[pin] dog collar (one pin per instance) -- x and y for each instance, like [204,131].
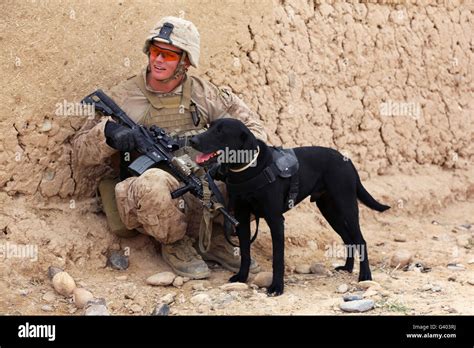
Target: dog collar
[247,165]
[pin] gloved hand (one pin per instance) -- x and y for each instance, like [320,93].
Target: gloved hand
[122,138]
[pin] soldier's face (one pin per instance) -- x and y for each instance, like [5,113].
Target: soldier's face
[163,60]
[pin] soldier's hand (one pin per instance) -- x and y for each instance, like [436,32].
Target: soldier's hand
[122,138]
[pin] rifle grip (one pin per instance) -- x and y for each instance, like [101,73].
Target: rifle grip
[181,191]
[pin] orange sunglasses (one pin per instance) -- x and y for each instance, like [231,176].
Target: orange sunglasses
[168,55]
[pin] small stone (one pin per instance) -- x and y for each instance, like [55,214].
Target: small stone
[96,309]
[47,308]
[303,269]
[96,301]
[234,287]
[341,289]
[199,287]
[52,271]
[456,267]
[263,279]
[46,126]
[118,260]
[122,277]
[23,292]
[357,306]
[384,293]
[470,262]
[168,298]
[400,258]
[436,288]
[350,297]
[178,282]
[81,296]
[318,269]
[200,299]
[426,287]
[186,279]
[470,281]
[452,278]
[50,296]
[163,279]
[63,283]
[400,238]
[161,310]
[136,308]
[366,284]
[369,293]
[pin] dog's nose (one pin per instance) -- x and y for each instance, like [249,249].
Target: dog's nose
[194,141]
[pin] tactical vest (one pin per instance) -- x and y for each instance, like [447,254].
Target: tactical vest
[177,115]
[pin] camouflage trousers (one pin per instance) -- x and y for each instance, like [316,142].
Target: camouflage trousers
[145,202]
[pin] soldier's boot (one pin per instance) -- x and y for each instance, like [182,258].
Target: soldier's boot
[223,253]
[184,259]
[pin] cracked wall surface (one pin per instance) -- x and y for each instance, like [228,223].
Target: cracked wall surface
[389,85]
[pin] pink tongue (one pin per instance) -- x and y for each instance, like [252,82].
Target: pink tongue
[203,157]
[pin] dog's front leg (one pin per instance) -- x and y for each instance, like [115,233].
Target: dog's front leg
[277,229]
[243,232]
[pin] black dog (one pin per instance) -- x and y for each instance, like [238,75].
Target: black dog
[259,186]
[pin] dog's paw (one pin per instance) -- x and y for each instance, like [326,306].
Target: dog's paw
[343,269]
[275,289]
[237,278]
[365,276]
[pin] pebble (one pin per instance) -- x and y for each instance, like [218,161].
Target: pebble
[118,260]
[369,293]
[50,296]
[96,301]
[452,278]
[318,269]
[63,283]
[470,281]
[168,298]
[342,288]
[357,306]
[426,287]
[436,288]
[201,299]
[471,261]
[47,308]
[163,279]
[122,277]
[161,310]
[23,292]
[52,271]
[81,296]
[234,287]
[400,258]
[303,269]
[96,309]
[351,297]
[136,308]
[199,287]
[400,238]
[178,282]
[366,284]
[263,279]
[456,267]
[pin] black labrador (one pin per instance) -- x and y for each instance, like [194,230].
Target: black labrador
[324,174]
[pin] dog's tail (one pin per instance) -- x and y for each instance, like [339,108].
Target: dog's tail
[366,198]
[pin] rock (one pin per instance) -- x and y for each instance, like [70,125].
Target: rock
[369,293]
[117,260]
[52,271]
[400,238]
[122,277]
[46,126]
[96,301]
[161,310]
[400,258]
[436,288]
[163,279]
[366,284]
[263,279]
[50,296]
[318,269]
[23,292]
[199,287]
[426,287]
[452,278]
[178,282]
[186,279]
[456,267]
[136,308]
[234,287]
[470,262]
[81,296]
[201,299]
[47,308]
[357,306]
[470,281]
[303,269]
[350,297]
[63,283]
[96,309]
[342,288]
[168,298]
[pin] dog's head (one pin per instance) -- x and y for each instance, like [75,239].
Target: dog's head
[223,135]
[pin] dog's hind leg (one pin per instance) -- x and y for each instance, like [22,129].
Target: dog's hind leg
[331,214]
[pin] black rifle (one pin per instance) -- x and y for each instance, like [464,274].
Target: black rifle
[156,150]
